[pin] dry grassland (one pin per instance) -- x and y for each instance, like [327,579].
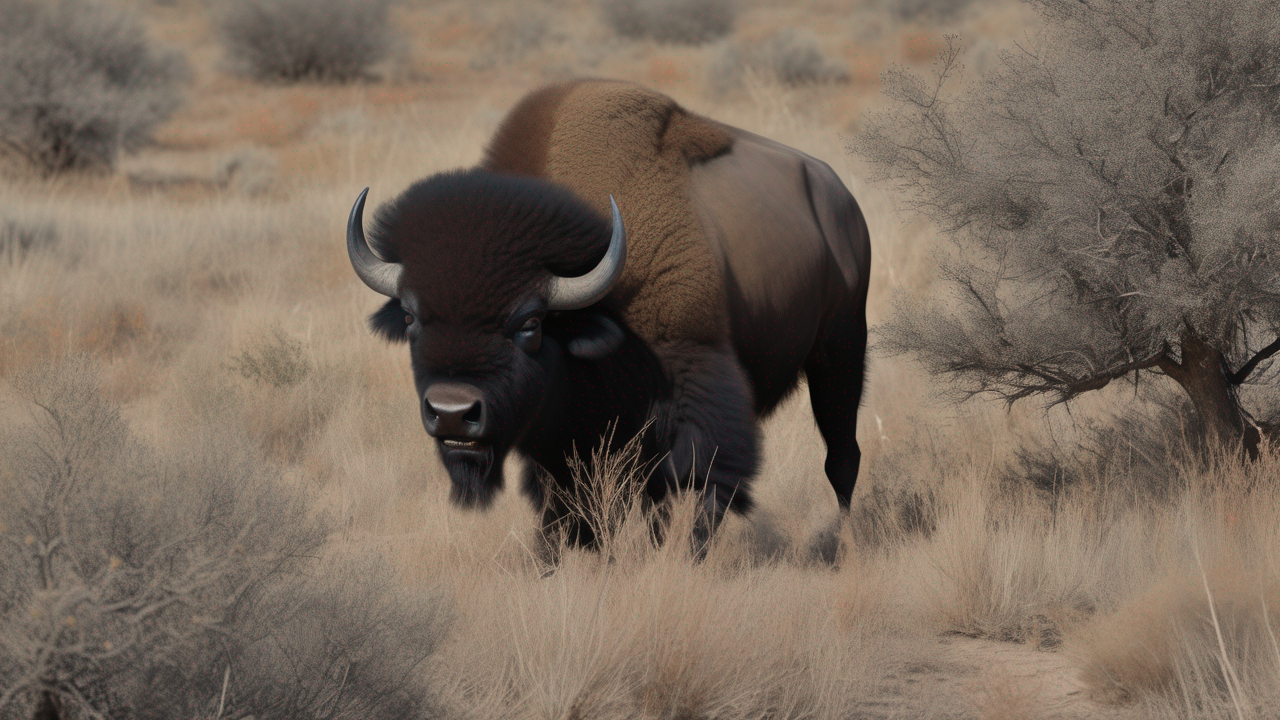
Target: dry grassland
[951,593]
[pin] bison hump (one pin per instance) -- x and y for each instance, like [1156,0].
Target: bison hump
[602,138]
[615,118]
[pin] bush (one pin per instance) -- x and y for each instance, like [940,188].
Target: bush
[686,22]
[933,10]
[513,37]
[80,82]
[790,57]
[20,239]
[124,571]
[292,40]
[273,359]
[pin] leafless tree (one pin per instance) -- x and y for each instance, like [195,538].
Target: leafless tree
[1112,191]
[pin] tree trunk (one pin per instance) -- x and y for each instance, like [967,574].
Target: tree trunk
[48,707]
[1204,375]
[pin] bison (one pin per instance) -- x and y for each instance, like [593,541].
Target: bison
[618,261]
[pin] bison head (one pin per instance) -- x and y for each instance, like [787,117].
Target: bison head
[491,279]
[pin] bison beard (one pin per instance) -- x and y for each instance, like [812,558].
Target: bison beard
[476,476]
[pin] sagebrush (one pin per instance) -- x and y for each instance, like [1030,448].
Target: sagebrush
[80,83]
[790,57]
[294,40]
[125,570]
[273,358]
[686,22]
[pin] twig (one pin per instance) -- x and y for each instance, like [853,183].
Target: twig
[337,696]
[222,699]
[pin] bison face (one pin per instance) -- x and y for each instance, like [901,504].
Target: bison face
[470,261]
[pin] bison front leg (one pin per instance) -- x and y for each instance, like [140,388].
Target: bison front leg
[710,431]
[560,527]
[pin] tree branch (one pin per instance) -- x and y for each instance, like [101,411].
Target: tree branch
[1239,376]
[1100,380]
[1034,380]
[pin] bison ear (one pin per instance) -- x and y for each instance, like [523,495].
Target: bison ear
[596,338]
[389,323]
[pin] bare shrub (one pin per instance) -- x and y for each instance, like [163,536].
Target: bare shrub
[898,507]
[19,239]
[293,40]
[80,82]
[790,57]
[887,515]
[513,37]
[274,359]
[343,642]
[930,10]
[124,571]
[685,22]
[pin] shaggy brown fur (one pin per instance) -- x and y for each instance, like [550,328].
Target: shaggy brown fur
[602,138]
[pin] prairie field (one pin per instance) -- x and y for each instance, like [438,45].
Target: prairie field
[996,563]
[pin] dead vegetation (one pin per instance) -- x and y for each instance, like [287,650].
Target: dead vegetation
[685,22]
[299,40]
[789,57]
[124,569]
[80,82]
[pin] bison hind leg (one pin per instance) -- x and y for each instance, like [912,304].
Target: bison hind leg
[835,373]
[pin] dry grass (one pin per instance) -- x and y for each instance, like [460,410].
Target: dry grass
[203,305]
[1198,638]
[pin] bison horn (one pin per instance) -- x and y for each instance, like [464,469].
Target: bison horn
[578,292]
[381,276]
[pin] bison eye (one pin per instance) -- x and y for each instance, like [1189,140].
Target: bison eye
[408,319]
[529,336]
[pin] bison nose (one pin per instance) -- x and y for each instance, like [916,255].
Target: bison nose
[454,410]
